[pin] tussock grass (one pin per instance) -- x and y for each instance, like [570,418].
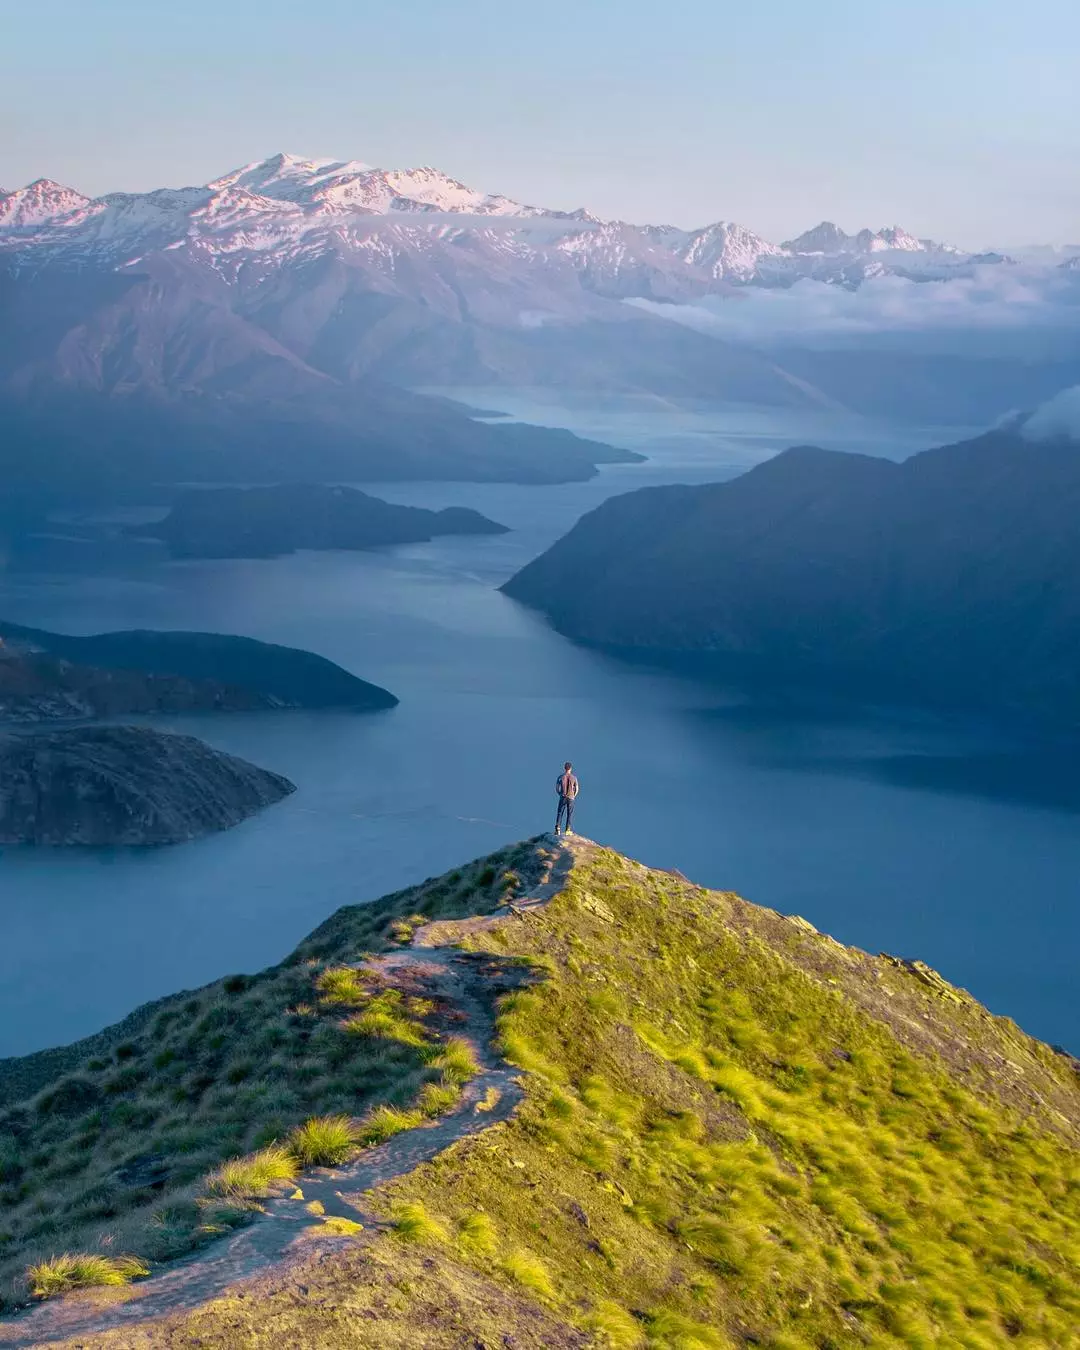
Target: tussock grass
[437,1098]
[82,1270]
[385,1019]
[384,1122]
[615,1328]
[457,1061]
[254,1176]
[530,1272]
[324,1141]
[718,1137]
[412,1223]
[97,1138]
[340,984]
[477,1233]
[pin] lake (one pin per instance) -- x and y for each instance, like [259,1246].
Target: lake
[895,832]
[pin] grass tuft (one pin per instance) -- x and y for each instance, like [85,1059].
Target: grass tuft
[82,1270]
[324,1141]
[437,1098]
[476,1233]
[340,984]
[615,1328]
[412,1223]
[457,1060]
[386,1121]
[530,1272]
[253,1176]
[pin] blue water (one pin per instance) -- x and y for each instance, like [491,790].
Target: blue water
[819,816]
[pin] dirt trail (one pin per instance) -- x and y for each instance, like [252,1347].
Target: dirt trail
[467,984]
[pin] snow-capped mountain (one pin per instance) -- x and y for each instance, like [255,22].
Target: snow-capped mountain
[275,206]
[299,279]
[38,204]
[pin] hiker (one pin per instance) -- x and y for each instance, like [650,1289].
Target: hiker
[566,785]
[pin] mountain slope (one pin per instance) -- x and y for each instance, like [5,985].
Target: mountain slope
[295,278]
[733,1130]
[953,577]
[272,675]
[111,787]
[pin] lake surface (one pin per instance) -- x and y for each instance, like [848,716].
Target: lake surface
[897,833]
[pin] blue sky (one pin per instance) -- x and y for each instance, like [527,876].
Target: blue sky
[956,119]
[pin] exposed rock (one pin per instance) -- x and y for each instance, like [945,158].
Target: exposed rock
[124,785]
[936,983]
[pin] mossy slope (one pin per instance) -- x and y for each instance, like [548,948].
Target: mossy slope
[735,1132]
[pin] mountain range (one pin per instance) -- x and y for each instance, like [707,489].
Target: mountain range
[287,207]
[277,323]
[952,578]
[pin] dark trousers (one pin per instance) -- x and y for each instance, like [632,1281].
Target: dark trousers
[566,808]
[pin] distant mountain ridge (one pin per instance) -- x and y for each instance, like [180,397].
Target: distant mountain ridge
[951,578]
[265,326]
[287,202]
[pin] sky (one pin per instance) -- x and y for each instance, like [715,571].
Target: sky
[956,119]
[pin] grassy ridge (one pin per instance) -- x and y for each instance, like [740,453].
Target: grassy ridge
[121,1151]
[735,1132]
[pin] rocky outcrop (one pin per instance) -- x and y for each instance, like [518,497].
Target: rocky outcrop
[110,674]
[262,522]
[123,786]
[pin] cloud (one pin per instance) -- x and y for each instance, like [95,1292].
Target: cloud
[1023,311]
[1058,417]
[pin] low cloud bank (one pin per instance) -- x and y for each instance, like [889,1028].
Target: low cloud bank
[1058,417]
[1002,310]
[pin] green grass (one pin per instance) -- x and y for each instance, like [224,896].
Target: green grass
[388,1017]
[412,1223]
[529,1271]
[437,1098]
[730,1124]
[340,984]
[457,1061]
[255,1176]
[734,1132]
[82,1270]
[477,1233]
[200,1079]
[384,1122]
[324,1141]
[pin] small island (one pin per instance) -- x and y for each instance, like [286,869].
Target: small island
[266,522]
[116,785]
[47,676]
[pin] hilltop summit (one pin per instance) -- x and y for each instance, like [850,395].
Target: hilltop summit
[565,1097]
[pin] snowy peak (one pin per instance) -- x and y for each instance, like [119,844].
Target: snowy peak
[349,185]
[37,204]
[288,206]
[893,237]
[823,238]
[728,250]
[287,177]
[830,240]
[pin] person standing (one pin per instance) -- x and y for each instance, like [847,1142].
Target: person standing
[566,785]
